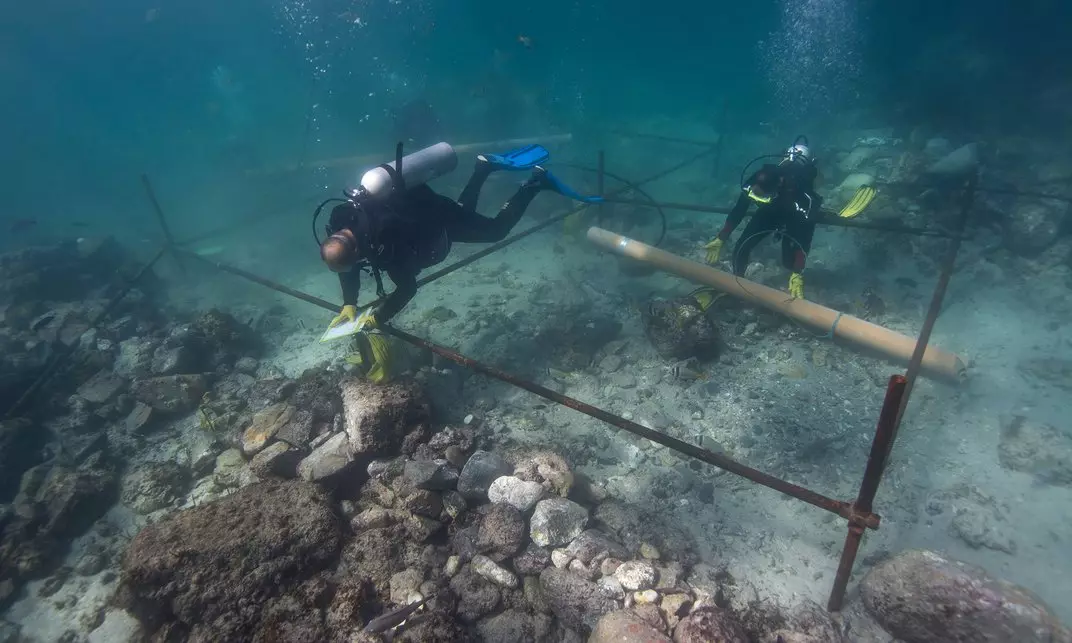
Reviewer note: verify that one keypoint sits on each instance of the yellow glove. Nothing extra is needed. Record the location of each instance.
(347, 314)
(367, 321)
(714, 249)
(796, 285)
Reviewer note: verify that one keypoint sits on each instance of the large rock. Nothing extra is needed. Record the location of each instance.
(959, 162)
(482, 469)
(1032, 226)
(154, 486)
(625, 627)
(171, 393)
(709, 624)
(520, 494)
(502, 532)
(577, 602)
(264, 426)
(680, 329)
(102, 387)
(332, 459)
(920, 597)
(378, 417)
(210, 571)
(557, 521)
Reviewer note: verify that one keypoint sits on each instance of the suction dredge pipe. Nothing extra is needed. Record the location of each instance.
(845, 329)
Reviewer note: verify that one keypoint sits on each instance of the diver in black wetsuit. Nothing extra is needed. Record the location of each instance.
(787, 205)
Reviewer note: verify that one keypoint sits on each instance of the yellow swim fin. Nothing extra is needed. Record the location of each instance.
(859, 202)
(706, 297)
(380, 371)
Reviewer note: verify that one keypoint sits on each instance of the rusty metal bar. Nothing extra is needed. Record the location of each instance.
(829, 218)
(160, 218)
(876, 462)
(839, 507)
(65, 350)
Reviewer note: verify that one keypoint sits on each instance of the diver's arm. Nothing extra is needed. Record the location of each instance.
(351, 286)
(735, 217)
(405, 281)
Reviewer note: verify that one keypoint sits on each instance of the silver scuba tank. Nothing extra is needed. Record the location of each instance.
(416, 169)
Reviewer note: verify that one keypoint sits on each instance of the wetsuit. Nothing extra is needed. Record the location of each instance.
(414, 229)
(792, 211)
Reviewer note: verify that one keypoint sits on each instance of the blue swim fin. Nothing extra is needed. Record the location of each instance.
(558, 186)
(523, 158)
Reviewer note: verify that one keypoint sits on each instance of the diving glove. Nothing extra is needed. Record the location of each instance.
(714, 249)
(347, 314)
(796, 285)
(367, 321)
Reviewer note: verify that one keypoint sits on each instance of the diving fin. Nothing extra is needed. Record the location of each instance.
(859, 202)
(705, 297)
(558, 186)
(523, 158)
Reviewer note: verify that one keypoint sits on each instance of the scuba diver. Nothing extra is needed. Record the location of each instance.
(395, 223)
(788, 206)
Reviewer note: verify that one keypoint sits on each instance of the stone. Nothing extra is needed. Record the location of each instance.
(920, 595)
(139, 420)
(557, 521)
(611, 585)
(423, 503)
(673, 607)
(1032, 226)
(21, 442)
(330, 459)
(647, 550)
(247, 365)
(154, 486)
(609, 566)
(173, 360)
(487, 568)
(297, 431)
(454, 563)
(171, 393)
(404, 584)
(118, 626)
(479, 472)
(520, 494)
(501, 534)
(477, 596)
(578, 603)
(263, 427)
(561, 558)
(959, 162)
(230, 468)
(1041, 450)
(679, 329)
(278, 459)
(378, 417)
(635, 575)
(512, 625)
(102, 387)
(623, 626)
(646, 597)
(593, 543)
(210, 570)
(532, 561)
(709, 624)
(454, 505)
(371, 518)
(982, 526)
(435, 475)
(854, 182)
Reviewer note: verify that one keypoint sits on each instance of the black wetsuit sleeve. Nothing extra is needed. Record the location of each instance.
(736, 215)
(405, 281)
(351, 286)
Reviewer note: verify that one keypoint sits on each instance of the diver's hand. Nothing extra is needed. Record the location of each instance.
(347, 314)
(714, 249)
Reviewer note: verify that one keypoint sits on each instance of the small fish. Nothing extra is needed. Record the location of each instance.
(525, 41)
(561, 376)
(395, 617)
(688, 374)
(22, 225)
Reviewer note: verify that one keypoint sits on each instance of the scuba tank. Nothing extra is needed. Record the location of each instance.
(408, 171)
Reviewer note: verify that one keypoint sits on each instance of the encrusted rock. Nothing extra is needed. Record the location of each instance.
(557, 521)
(102, 387)
(278, 459)
(154, 486)
(477, 596)
(436, 475)
(520, 494)
(680, 329)
(1039, 449)
(230, 469)
(139, 420)
(532, 561)
(404, 584)
(549, 469)
(171, 393)
(263, 427)
(635, 575)
(502, 532)
(922, 596)
(479, 472)
(487, 568)
(378, 417)
(423, 503)
(592, 544)
(709, 624)
(512, 625)
(577, 602)
(332, 458)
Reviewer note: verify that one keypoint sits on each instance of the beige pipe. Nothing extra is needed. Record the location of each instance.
(845, 329)
(376, 159)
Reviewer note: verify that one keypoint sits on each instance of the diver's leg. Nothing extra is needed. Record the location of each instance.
(756, 230)
(796, 245)
(471, 227)
(471, 192)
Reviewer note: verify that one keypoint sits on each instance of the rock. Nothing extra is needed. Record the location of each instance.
(210, 570)
(854, 182)
(857, 157)
(921, 596)
(404, 584)
(557, 521)
(487, 568)
(679, 329)
(981, 526)
(593, 544)
(454, 505)
(436, 475)
(379, 417)
(21, 442)
(959, 162)
(247, 365)
(649, 551)
(512, 625)
(477, 596)
(118, 626)
(612, 587)
(329, 460)
(625, 627)
(646, 597)
(609, 566)
(561, 558)
(635, 575)
(709, 624)
(263, 427)
(102, 387)
(140, 418)
(278, 459)
(675, 606)
(1034, 225)
(173, 360)
(1038, 449)
(532, 561)
(10, 632)
(582, 570)
(610, 363)
(230, 469)
(479, 472)
(577, 602)
(423, 503)
(297, 431)
(549, 469)
(520, 494)
(171, 393)
(154, 487)
(502, 532)
(222, 338)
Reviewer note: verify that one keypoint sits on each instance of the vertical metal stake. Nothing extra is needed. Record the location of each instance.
(163, 222)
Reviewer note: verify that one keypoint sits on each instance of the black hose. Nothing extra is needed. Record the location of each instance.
(633, 186)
